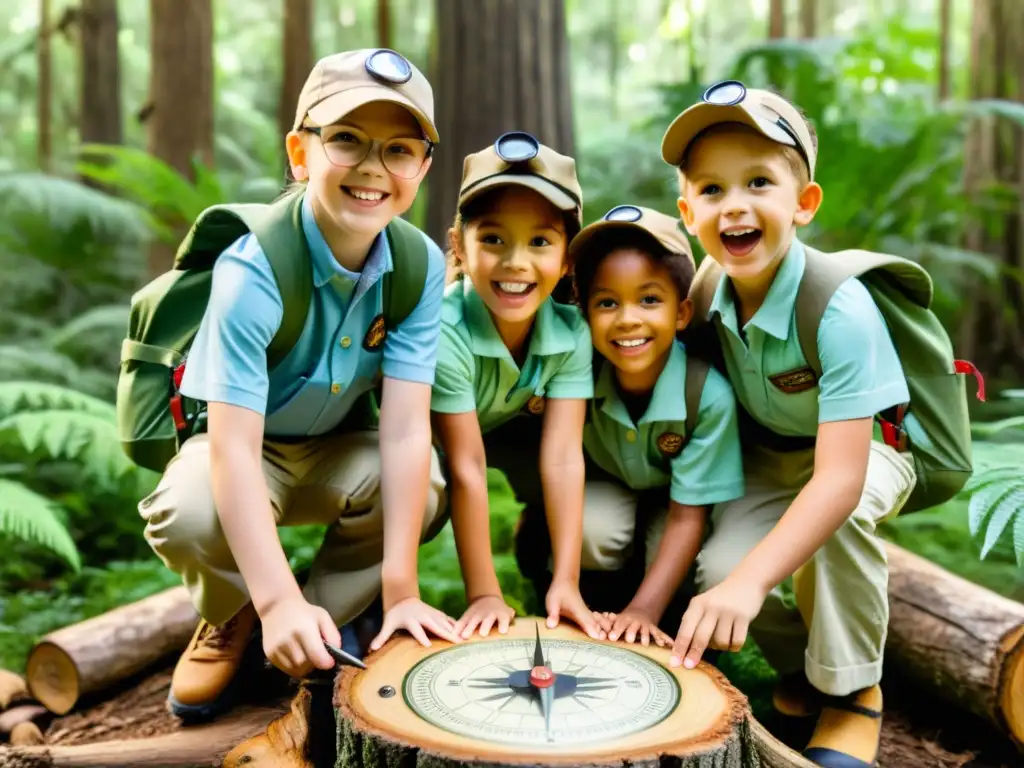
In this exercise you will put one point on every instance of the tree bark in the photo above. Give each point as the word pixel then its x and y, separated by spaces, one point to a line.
pixel 94 654
pixel 501 65
pixel 99 120
pixel 776 20
pixel 712 725
pixel 957 640
pixel 945 32
pixel 808 19
pixel 297 54
pixel 181 94
pixel 384 23
pixel 44 116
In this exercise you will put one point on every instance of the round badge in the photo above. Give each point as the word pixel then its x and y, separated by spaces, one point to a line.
pixel 535 405
pixel 628 213
pixel 516 147
pixel 389 66
pixel 374 338
pixel 670 444
pixel 726 93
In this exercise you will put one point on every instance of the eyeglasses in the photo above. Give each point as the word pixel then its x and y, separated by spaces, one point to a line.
pixel 627 213
pixel 346 148
pixel 389 66
pixel 516 147
pixel 729 93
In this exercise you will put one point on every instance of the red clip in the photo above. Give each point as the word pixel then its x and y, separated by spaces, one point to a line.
pixel 965 366
pixel 890 434
pixel 178 413
pixel 178 375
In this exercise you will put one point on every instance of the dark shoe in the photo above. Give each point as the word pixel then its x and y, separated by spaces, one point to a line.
pixel 848 731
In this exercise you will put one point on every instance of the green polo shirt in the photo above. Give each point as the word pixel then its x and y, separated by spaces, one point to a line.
pixel 861 372
pixel 708 469
pixel 475 370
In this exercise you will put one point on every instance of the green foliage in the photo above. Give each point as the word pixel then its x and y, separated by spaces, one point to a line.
pixel 32 518
pixel 997 507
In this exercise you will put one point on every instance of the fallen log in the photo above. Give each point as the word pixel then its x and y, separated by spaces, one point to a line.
pixel 12 718
pixel 94 654
pixel 26 734
pixel 201 745
pixel 958 640
pixel 12 688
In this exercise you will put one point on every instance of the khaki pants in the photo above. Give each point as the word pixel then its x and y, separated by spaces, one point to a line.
pixel 332 481
pixel 837 634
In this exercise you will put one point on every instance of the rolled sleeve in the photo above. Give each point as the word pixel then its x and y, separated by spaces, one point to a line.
pixel 410 351
pixel 453 390
pixel 861 372
pixel 574 380
pixel 710 468
pixel 227 362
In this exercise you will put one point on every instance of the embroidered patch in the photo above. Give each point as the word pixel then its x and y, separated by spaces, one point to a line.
pixel 791 382
pixel 375 335
pixel 670 444
pixel 536 404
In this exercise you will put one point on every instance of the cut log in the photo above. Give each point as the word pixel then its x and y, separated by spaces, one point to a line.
pixel 26 734
pixel 710 724
pixel 201 745
pixel 90 656
pixel 12 718
pixel 12 688
pixel 957 640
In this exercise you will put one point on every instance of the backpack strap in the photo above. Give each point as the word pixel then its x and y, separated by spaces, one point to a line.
pixel 403 285
pixel 696 375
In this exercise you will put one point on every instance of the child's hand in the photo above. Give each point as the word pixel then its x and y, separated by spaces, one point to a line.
pixel 719 618
pixel 564 599
pixel 485 611
pixel 634 621
pixel 293 636
pixel 414 616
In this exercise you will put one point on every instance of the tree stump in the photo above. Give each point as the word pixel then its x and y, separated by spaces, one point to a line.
pixel 444 706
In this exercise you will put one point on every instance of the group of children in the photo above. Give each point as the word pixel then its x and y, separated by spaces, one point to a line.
pixel 607 424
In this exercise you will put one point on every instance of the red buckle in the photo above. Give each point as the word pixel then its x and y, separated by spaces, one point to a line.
pixel 965 366
pixel 178 375
pixel 178 413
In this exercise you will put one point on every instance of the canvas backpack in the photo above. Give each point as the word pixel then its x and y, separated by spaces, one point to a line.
pixel 902 290
pixel 153 417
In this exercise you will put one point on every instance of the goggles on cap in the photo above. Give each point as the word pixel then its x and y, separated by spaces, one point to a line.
pixel 729 93
pixel 627 213
pixel 516 147
pixel 389 66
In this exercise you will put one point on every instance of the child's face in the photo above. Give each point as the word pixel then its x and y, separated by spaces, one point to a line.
pixel 514 254
pixel 743 202
pixel 362 199
pixel 634 310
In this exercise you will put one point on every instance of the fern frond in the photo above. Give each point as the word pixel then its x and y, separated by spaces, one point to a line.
pixel 35 396
pixel 105 325
pixel 1003 510
pixel 1018 539
pixel 36 363
pixel 30 517
pixel 983 501
pixel 986 430
pixel 75 435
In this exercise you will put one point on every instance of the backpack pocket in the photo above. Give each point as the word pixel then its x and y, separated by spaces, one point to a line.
pixel 145 423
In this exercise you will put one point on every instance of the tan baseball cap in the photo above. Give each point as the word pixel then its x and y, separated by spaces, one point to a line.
pixel 663 229
pixel 732 102
pixel 518 158
pixel 341 82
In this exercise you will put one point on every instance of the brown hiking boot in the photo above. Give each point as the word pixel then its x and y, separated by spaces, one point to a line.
pixel 848 731
pixel 205 671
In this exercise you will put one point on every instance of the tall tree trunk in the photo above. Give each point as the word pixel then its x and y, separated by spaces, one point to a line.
pixel 945 31
pixel 44 116
pixel 776 20
pixel 613 58
pixel 99 119
pixel 525 41
pixel 808 19
pixel 181 94
pixel 297 52
pixel 384 23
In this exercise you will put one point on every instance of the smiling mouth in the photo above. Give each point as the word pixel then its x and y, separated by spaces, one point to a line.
pixel 512 288
pixel 365 195
pixel 741 240
pixel 631 345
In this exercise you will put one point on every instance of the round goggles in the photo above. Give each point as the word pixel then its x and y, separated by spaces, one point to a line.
pixel 727 93
pixel 627 213
pixel 389 66
pixel 516 147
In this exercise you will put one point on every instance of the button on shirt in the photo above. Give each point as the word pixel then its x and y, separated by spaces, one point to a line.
pixel 861 372
pixel 709 469
pixel 317 383
pixel 475 370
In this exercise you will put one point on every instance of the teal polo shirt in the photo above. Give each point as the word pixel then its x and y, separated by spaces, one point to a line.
pixel 475 370
pixel 861 372
pixel 317 383
pixel 708 469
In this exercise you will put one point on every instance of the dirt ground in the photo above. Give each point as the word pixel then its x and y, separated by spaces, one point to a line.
pixel 916 732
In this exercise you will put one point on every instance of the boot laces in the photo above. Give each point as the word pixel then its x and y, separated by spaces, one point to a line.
pixel 220 637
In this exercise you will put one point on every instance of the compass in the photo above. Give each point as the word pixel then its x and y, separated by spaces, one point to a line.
pixel 532 696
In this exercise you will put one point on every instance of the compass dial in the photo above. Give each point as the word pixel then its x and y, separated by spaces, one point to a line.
pixel 497 692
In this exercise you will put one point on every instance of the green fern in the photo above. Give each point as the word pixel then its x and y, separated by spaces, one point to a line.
pixel 94 334
pixel 17 396
pixel 996 507
pixel 27 516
